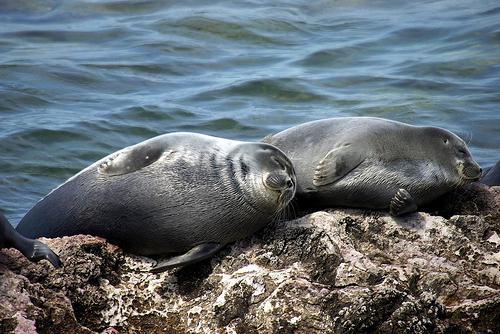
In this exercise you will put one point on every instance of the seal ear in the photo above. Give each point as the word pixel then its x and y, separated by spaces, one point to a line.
pixel 132 158
pixel 336 164
pixel 195 254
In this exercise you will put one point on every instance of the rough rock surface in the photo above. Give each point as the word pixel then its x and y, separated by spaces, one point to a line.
pixel 333 271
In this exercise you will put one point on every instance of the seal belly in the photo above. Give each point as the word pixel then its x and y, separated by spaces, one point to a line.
pixel 125 209
pixel 369 186
pixel 375 182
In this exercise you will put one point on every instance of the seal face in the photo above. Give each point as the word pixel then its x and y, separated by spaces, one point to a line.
pixel 34 250
pixel 176 193
pixel 374 163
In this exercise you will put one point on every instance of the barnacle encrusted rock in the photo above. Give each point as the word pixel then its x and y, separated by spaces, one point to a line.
pixel 333 271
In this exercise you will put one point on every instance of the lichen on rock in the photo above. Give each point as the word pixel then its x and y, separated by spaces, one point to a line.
pixel 332 271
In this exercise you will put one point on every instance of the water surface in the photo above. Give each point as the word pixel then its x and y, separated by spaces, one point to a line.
pixel 81 79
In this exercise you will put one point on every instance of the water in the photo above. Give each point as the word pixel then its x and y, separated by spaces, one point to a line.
pixel 80 79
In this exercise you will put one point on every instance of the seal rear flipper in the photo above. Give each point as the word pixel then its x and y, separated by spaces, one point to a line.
pixel 34 250
pixel 132 158
pixel 402 203
pixel 195 254
pixel 336 164
pixel 41 251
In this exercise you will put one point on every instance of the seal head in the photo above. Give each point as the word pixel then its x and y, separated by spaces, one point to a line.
pixel 455 159
pixel 269 171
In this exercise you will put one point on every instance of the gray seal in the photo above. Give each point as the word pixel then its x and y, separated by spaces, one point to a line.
pixel 176 193
pixel 34 250
pixel 374 163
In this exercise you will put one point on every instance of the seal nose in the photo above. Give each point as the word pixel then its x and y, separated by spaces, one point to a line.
pixel 474 172
pixel 470 170
pixel 278 182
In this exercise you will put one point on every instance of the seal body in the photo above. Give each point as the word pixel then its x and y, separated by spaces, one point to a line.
pixel 374 163
pixel 170 194
pixel 34 250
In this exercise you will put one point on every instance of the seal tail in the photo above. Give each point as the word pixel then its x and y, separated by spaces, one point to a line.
pixel 34 250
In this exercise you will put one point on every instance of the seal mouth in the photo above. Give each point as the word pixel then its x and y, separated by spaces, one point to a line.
pixel 472 179
pixel 285 197
pixel 283 185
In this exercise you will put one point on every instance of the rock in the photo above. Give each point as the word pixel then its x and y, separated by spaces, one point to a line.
pixel 333 271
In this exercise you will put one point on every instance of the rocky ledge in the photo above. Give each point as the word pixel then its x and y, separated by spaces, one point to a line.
pixel 333 271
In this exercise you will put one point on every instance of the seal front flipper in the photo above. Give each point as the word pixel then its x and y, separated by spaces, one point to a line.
pixel 402 203
pixel 132 158
pixel 336 164
pixel 195 254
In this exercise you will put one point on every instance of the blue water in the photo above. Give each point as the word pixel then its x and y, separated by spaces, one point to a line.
pixel 80 79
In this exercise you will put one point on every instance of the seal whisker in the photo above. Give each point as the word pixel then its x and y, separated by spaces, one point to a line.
pixel 293 213
pixel 292 204
pixel 469 140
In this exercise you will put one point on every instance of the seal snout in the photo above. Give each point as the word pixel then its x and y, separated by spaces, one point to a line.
pixel 287 193
pixel 470 171
pixel 282 183
pixel 279 182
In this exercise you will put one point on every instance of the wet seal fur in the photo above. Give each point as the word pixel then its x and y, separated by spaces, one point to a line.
pixel 176 193
pixel 34 250
pixel 374 163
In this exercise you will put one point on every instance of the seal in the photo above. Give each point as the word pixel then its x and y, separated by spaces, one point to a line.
pixel 374 163
pixel 491 175
pixel 34 250
pixel 181 193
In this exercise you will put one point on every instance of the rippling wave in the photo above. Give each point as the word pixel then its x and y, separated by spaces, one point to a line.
pixel 80 79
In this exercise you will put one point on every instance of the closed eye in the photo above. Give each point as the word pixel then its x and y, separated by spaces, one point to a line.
pixel 279 163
